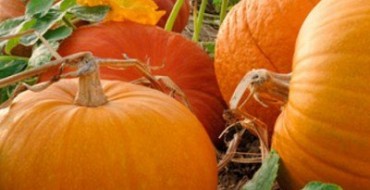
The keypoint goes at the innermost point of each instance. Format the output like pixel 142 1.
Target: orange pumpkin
pixel 140 139
pixel 258 34
pixel 10 9
pixel 178 58
pixel 323 131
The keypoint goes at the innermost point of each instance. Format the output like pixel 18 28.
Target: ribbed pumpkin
pixel 258 34
pixel 140 139
pixel 178 58
pixel 324 131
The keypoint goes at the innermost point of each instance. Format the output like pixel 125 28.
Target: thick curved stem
pixel 264 86
pixel 90 92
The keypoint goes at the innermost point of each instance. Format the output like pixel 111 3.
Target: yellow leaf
pixel 140 11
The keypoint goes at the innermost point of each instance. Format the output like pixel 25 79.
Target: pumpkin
pixel 323 132
pixel 10 9
pixel 177 57
pixel 258 34
pixel 139 139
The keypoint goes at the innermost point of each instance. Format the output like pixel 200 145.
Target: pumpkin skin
pixel 182 60
pixel 258 34
pixel 10 9
pixel 140 139
pixel 182 17
pixel 323 132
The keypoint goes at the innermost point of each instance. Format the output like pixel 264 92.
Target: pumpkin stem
pixel 90 92
pixel 262 84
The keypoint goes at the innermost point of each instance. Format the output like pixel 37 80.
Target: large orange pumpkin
pixel 258 34
pixel 140 139
pixel 178 58
pixel 323 132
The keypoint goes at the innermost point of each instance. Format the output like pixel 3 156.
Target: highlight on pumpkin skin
pixel 140 11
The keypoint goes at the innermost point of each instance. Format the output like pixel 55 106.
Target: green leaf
pixel 15 41
pixel 91 14
pixel 264 178
pixel 41 54
pixel 316 185
pixel 42 25
pixel 66 4
pixel 9 27
pixel 39 7
pixel 10 65
pixel 58 34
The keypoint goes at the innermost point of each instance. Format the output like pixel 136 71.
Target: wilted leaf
pixel 264 178
pixel 140 11
pixel 315 185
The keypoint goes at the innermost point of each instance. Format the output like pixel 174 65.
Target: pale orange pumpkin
pixel 323 133
pixel 258 34
pixel 139 139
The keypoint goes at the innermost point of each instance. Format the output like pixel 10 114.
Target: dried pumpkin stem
pixel 264 86
pixel 90 92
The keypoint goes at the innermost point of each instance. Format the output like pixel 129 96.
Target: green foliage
pixel 38 7
pixel 91 14
pixel 265 177
pixel 10 65
pixel 49 19
pixel 315 185
pixel 41 54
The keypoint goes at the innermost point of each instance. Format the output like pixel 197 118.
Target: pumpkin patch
pixel 184 94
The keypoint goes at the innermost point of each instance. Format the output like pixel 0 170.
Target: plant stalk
pixel 224 5
pixel 199 21
pixel 173 15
